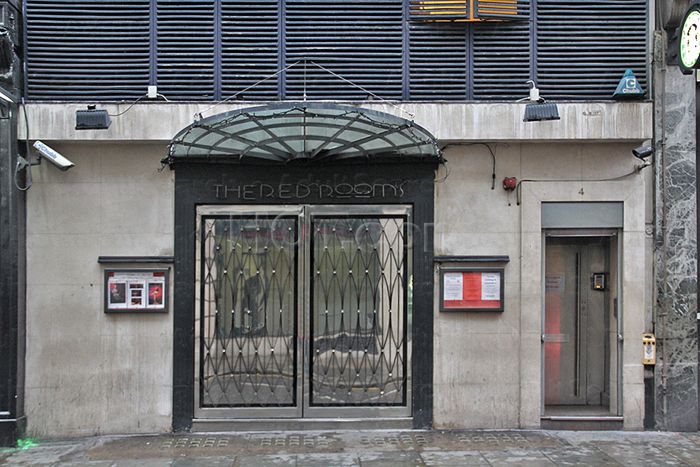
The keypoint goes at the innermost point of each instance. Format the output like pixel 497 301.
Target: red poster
pixel 472 290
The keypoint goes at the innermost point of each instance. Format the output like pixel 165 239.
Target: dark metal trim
pixel 193 188
pixel 533 41
pixel 469 47
pixel 11 429
pixel 217 50
pixel 153 44
pixel 136 259
pixel 471 259
pixel 12 285
pixel 282 46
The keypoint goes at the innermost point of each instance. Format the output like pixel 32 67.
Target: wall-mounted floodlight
pixel 92 119
pixel 538 109
pixel 643 152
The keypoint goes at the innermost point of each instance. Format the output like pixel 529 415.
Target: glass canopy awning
pixel 303 132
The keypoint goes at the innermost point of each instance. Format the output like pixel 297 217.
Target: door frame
pixel 212 183
pixel 615 235
pixel 246 412
pixel 302 405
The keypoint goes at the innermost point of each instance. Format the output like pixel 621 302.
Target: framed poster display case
pixel 471 289
pixel 136 290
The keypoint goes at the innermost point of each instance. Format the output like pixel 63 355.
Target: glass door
pixel 302 311
pixel 580 338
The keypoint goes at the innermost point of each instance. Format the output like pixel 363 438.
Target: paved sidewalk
pixel 366 448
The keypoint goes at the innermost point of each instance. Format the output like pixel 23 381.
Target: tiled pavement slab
pixel 579 456
pixel 635 455
pixel 453 458
pixel 367 448
pixel 520 458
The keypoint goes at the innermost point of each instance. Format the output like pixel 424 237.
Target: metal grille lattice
pixel 248 326
pixel 358 316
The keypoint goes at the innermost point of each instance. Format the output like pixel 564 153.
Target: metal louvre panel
pixel 250 47
pixel 185 49
pixel 503 9
pixel 584 46
pixel 439 10
pixel 501 60
pixel 362 41
pixel 437 61
pixel 212 49
pixel 87 50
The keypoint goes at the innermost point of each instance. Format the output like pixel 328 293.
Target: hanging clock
pixel 689 40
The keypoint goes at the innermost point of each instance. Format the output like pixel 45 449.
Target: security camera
pixel 5 97
pixel 642 152
pixel 53 156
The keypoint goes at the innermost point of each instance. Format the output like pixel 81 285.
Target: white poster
pixel 453 286
pixel 490 286
pixel 554 283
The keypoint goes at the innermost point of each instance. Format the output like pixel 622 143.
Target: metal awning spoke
pixel 269 132
pixel 369 138
pixel 229 136
pixel 335 135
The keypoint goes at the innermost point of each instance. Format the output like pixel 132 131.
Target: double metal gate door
pixel 303 311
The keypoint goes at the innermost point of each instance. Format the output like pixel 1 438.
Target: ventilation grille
pixel 362 41
pixel 186 49
pixel 87 50
pixel 501 61
pixel 584 47
pixel 90 50
pixel 249 53
pixel 438 62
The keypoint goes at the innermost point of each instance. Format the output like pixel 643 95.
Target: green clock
pixel 689 40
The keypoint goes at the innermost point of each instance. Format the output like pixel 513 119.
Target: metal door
pixel 302 311
pixel 578 326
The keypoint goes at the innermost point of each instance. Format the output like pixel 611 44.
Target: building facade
pixel 333 214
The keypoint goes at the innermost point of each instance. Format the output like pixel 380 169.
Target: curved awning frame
pixel 306 132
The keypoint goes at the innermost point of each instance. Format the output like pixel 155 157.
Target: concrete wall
pixel 89 372
pixel 448 121
pixel 488 365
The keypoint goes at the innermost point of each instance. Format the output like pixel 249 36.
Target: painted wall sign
pixel 470 289
pixel 303 190
pixel 136 290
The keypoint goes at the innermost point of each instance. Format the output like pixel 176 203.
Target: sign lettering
pixel 265 191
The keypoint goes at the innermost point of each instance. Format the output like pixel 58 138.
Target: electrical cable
pixel 518 187
pixel 447 173
pixel 135 102
pixel 493 157
pixel 128 108
pixel 19 164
